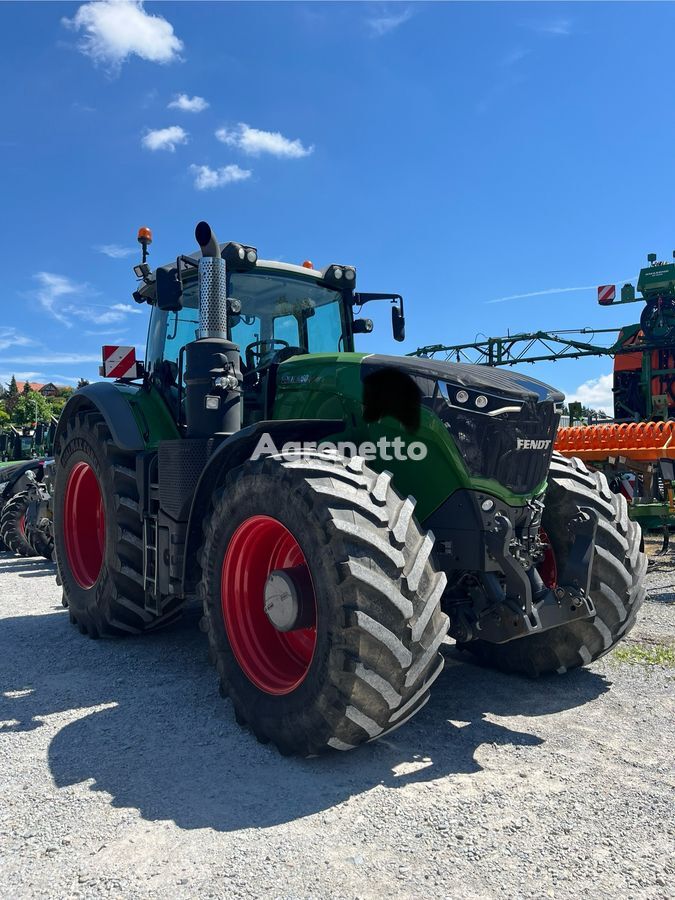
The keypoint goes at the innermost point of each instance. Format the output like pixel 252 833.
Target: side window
pixel 322 328
pixel 181 328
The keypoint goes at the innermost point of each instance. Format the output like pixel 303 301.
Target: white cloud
pixel 388 20
pixel 114 30
pixel 6 377
pixel 596 393
pixel 52 288
pixel 59 379
pixel 102 315
pixel 127 309
pixel 556 27
pixel 52 358
pixel 9 337
pixel 188 104
pixel 563 290
pixel 207 178
pixel 115 251
pixel 567 290
pixel 253 142
pixel 513 57
pixel 55 288
pixel 106 332
pixel 165 138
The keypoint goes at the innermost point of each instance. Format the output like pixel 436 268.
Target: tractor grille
pixel 513 448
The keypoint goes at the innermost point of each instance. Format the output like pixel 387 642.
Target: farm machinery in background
pixel 25 508
pixel 636 448
pixel 26 489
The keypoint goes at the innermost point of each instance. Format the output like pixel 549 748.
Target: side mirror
pixel 362 326
pixel 169 288
pixel 398 323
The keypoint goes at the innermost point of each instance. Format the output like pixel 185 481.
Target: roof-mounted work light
pixel 239 257
pixel 340 277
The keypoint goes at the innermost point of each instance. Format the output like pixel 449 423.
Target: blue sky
pixel 455 153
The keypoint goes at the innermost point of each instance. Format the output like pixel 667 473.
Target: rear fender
pixel 233 452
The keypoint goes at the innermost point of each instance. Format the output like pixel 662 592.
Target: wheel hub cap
pixel 289 601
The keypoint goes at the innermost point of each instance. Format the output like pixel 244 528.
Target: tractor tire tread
pixel 11 532
pixel 386 654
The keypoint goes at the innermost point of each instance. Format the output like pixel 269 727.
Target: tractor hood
pixel 502 423
pixel 510 384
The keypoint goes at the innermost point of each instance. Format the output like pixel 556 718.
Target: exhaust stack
pixel 212 285
pixel 212 373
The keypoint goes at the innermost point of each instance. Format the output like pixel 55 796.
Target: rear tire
pixel 12 525
pixel 365 665
pixel 99 533
pixel 617 580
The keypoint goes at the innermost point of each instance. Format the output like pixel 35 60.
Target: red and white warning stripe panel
pixel 606 293
pixel 119 362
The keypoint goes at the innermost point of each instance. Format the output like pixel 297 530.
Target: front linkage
pixel 521 603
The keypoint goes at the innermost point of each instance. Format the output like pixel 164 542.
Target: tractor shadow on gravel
pixel 143 719
pixel 26 567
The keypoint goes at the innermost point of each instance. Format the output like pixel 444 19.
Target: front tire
pixel 617 579
pixel 367 650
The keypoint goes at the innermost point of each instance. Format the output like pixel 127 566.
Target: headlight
pixel 507 439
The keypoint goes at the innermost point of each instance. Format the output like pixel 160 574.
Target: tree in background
pixel 11 397
pixel 82 383
pixel 57 403
pixel 29 407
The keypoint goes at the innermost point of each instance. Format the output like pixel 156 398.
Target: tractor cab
pixel 274 311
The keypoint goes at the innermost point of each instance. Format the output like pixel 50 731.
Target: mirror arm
pixel 360 299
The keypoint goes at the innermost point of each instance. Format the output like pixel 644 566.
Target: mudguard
pixel 109 401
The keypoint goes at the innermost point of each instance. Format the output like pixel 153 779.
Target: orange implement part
pixel 635 440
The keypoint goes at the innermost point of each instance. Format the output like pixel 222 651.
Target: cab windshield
pixel 279 312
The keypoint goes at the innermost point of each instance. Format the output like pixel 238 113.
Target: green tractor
pixel 336 513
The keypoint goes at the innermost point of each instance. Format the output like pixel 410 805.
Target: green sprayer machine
pixel 335 513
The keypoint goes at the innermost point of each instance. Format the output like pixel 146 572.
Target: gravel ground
pixel 123 774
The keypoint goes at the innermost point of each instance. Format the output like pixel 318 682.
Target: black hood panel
pixel 485 378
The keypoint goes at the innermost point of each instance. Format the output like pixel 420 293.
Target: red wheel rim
pixel 548 567
pixel 22 524
pixel 275 661
pixel 84 525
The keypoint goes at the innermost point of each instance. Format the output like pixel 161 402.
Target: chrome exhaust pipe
pixel 212 277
